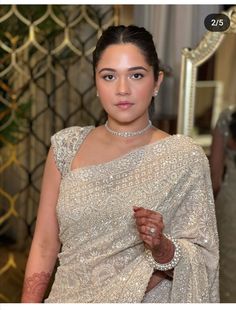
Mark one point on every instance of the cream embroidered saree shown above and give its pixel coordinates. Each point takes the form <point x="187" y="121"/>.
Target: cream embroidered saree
<point x="102" y="258"/>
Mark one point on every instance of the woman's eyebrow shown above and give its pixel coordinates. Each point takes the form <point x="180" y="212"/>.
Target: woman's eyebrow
<point x="130" y="69"/>
<point x="137" y="68"/>
<point x="106" y="69"/>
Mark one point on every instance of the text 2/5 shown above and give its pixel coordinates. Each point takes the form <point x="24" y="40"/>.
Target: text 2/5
<point x="217" y="22"/>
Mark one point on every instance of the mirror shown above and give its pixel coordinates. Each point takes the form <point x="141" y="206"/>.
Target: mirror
<point x="204" y="89"/>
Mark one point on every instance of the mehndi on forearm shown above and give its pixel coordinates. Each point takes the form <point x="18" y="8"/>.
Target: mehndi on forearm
<point x="35" y="287"/>
<point x="165" y="252"/>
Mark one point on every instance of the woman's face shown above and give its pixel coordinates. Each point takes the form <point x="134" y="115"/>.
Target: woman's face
<point x="125" y="82"/>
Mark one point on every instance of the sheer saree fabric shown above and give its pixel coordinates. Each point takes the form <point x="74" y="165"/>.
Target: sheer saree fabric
<point x="102" y="258"/>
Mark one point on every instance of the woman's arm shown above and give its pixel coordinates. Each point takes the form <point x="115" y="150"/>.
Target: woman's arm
<point x="45" y="245"/>
<point x="217" y="160"/>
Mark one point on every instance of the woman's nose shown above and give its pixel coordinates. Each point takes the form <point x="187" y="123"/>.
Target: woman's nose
<point x="123" y="86"/>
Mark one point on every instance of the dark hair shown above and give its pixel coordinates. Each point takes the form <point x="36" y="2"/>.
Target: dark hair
<point x="138" y="36"/>
<point x="232" y="125"/>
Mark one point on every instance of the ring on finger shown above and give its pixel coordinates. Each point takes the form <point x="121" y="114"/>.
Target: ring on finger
<point x="152" y="231"/>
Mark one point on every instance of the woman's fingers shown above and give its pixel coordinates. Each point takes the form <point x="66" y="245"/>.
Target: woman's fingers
<point x="149" y="218"/>
<point x="146" y="213"/>
<point x="152" y="242"/>
<point x="150" y="226"/>
<point x="149" y="222"/>
<point x="151" y="232"/>
<point x="141" y="212"/>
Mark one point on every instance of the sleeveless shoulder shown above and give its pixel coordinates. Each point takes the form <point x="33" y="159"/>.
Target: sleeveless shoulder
<point x="65" y="144"/>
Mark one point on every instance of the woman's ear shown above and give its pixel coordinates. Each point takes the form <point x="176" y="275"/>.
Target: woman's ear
<point x="160" y="79"/>
<point x="158" y="83"/>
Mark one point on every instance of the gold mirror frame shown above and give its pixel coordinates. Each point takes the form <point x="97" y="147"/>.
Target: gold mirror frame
<point x="191" y="59"/>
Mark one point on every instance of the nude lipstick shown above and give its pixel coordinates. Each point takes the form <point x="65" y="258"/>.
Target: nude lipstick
<point x="124" y="105"/>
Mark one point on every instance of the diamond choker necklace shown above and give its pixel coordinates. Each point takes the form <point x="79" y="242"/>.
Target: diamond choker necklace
<point x="128" y="133"/>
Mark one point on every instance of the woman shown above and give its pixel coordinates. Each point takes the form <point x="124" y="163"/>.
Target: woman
<point x="223" y="171"/>
<point x="131" y="205"/>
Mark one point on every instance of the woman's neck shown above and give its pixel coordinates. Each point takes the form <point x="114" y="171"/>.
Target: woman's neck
<point x="128" y="126"/>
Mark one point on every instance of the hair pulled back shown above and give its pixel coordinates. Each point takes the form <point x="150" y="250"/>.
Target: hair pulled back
<point x="138" y="36"/>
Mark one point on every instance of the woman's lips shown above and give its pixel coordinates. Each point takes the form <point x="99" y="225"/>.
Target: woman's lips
<point x="124" y="105"/>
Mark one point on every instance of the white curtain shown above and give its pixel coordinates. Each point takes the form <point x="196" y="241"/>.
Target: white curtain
<point x="173" y="27"/>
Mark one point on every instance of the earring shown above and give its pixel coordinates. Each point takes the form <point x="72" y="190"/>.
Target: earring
<point x="97" y="94"/>
<point x="155" y="93"/>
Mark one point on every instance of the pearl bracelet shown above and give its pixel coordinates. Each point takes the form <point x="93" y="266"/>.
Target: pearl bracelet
<point x="167" y="266"/>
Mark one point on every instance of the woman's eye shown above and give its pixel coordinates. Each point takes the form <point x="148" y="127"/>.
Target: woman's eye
<point x="137" y="76"/>
<point x="108" y="77"/>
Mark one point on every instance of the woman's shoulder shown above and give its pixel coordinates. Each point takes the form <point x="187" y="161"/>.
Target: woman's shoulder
<point x="185" y="142"/>
<point x="185" y="147"/>
<point x="178" y="146"/>
<point x="71" y="131"/>
<point x="65" y="144"/>
<point x="68" y="139"/>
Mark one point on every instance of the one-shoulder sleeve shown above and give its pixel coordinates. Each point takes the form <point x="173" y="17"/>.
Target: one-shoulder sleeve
<point x="65" y="144"/>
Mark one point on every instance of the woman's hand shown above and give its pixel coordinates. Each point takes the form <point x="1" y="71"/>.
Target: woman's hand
<point x="150" y="226"/>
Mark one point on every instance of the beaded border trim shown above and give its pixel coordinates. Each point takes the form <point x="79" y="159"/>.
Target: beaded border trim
<point x="167" y="266"/>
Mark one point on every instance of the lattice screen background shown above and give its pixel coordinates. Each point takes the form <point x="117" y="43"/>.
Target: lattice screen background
<point x="46" y="84"/>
